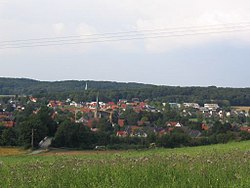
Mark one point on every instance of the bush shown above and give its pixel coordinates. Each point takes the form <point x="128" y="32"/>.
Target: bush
<point x="244" y="135"/>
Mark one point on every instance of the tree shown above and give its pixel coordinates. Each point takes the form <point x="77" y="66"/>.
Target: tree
<point x="10" y="108"/>
<point x="61" y="116"/>
<point x="115" y="116"/>
<point x="23" y="115"/>
<point x="245" y="135"/>
<point x="74" y="135"/>
<point x="25" y="129"/>
<point x="44" y="115"/>
<point x="103" y="125"/>
<point x="9" y="137"/>
<point x="79" y="115"/>
<point x="221" y="128"/>
<point x="67" y="135"/>
<point x="87" y="139"/>
<point x="131" y="117"/>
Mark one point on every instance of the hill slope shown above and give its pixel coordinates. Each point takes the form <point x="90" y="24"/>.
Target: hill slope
<point x="115" y="90"/>
<point x="29" y="86"/>
<point x="208" y="166"/>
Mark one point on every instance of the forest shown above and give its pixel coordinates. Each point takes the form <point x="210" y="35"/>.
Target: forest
<point x="113" y="91"/>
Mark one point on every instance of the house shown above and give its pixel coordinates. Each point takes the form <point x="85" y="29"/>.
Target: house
<point x="8" y="124"/>
<point x="157" y="130"/>
<point x="191" y="105"/>
<point x="123" y="106"/>
<point x="121" y="134"/>
<point x="221" y="114"/>
<point x="191" y="132"/>
<point x="135" y="100"/>
<point x="73" y="103"/>
<point x="246" y="129"/>
<point x="151" y="108"/>
<point x="113" y="107"/>
<point x="143" y="123"/>
<point x="82" y="120"/>
<point x="33" y="99"/>
<point x="122" y="101"/>
<point x="136" y="131"/>
<point x="142" y="104"/>
<point x="228" y="114"/>
<point x="111" y="103"/>
<point x="212" y="107"/>
<point x="54" y="104"/>
<point x="20" y="108"/>
<point x="204" y="110"/>
<point x="121" y="122"/>
<point x="174" y="124"/>
<point x="194" y="133"/>
<point x="170" y="129"/>
<point x="162" y="131"/>
<point x="204" y="127"/>
<point x="68" y="100"/>
<point x="174" y="105"/>
<point x="94" y="129"/>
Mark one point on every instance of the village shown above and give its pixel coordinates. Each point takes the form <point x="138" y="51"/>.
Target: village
<point x="132" y="118"/>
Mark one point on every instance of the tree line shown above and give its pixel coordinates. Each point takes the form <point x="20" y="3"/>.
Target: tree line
<point x="113" y="91"/>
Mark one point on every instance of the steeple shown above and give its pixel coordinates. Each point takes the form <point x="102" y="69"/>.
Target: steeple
<point x="96" y="114"/>
<point x="86" y="86"/>
<point x="97" y="101"/>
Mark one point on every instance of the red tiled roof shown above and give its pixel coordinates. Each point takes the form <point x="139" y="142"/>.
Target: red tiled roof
<point x="8" y="124"/>
<point x="247" y="129"/>
<point x="121" y="122"/>
<point x="204" y="127"/>
<point x="172" y="124"/>
<point x="121" y="133"/>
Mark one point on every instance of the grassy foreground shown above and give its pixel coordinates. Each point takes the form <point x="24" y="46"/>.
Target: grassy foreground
<point x="209" y="166"/>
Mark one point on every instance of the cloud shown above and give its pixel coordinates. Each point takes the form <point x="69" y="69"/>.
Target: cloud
<point x="167" y="14"/>
<point x="90" y="32"/>
<point x="59" y="28"/>
<point x="135" y="59"/>
<point x="172" y="42"/>
<point x="2" y="4"/>
<point x="82" y="17"/>
<point x="3" y="1"/>
<point x="85" y="29"/>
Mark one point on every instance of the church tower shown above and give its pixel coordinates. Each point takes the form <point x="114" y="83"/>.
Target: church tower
<point x="86" y="86"/>
<point x="96" y="114"/>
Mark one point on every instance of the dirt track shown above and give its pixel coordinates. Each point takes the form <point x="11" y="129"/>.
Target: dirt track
<point x="60" y="152"/>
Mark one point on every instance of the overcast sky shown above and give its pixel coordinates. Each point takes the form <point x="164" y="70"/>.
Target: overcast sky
<point x="201" y="60"/>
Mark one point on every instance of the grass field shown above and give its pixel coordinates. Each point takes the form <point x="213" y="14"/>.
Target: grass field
<point x="10" y="151"/>
<point x="209" y="166"/>
<point x="246" y="108"/>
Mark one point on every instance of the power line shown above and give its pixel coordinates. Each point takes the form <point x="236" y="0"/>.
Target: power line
<point x="239" y="24"/>
<point x="123" y="39"/>
<point x="159" y="32"/>
<point x="151" y="35"/>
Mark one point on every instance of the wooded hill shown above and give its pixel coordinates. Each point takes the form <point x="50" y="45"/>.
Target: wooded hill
<point x="112" y="91"/>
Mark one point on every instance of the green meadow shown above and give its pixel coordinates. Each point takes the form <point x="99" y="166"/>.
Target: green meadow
<point x="222" y="165"/>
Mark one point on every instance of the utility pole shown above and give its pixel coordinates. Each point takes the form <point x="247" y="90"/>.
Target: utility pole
<point x="75" y="115"/>
<point x="32" y="138"/>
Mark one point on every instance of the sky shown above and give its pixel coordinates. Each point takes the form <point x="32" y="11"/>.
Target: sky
<point x="221" y="59"/>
